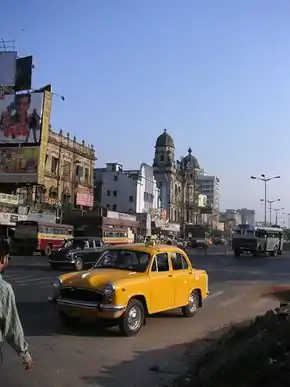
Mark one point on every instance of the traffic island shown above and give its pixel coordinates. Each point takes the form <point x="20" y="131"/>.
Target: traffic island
<point x="254" y="353"/>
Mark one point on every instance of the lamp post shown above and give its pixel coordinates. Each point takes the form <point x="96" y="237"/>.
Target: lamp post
<point x="270" y="202"/>
<point x="265" y="180"/>
<point x="276" y="216"/>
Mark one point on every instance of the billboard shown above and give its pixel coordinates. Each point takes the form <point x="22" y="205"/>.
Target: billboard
<point x="20" y="119"/>
<point x="85" y="199"/>
<point x="24" y="128"/>
<point x="7" y="68"/>
<point x="19" y="165"/>
<point x="23" y="73"/>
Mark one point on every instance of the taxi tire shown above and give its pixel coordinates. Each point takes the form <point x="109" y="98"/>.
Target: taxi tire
<point x="124" y="323"/>
<point x="186" y="311"/>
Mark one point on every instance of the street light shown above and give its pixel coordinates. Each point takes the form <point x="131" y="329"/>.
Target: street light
<point x="265" y="180"/>
<point x="270" y="206"/>
<point x="276" y="217"/>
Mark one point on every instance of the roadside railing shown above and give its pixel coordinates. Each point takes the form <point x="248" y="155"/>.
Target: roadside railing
<point x="211" y="250"/>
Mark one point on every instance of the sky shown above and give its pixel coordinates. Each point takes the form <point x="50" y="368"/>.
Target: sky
<point x="214" y="73"/>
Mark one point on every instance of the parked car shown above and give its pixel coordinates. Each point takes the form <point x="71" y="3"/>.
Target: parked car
<point x="77" y="253"/>
<point x="130" y="282"/>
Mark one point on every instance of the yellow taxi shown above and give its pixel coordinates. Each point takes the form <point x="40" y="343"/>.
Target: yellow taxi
<point x="130" y="282"/>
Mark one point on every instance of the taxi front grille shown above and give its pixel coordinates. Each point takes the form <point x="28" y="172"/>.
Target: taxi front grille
<point x="79" y="294"/>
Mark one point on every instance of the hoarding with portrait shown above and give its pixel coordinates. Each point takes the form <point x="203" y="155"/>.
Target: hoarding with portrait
<point x="22" y="131"/>
<point x="20" y="119"/>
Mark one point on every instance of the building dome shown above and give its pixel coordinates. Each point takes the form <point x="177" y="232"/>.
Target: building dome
<point x="164" y="140"/>
<point x="189" y="161"/>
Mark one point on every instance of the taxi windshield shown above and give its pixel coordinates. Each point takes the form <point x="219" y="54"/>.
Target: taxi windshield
<point x="124" y="260"/>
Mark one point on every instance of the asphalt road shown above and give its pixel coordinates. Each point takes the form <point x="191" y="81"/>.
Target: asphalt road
<point x="94" y="357"/>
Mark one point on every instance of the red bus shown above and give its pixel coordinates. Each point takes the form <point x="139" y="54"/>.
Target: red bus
<point x="31" y="236"/>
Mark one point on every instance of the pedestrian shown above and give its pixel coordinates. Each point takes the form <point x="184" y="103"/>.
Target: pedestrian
<point x="10" y="325"/>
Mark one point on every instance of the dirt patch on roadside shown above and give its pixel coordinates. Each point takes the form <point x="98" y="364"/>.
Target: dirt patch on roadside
<point x="250" y="354"/>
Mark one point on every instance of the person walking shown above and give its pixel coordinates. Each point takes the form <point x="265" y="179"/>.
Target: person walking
<point x="10" y="325"/>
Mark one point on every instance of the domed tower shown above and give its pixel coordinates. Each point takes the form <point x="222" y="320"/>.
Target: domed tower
<point x="164" y="152"/>
<point x="164" y="171"/>
<point x="188" y="171"/>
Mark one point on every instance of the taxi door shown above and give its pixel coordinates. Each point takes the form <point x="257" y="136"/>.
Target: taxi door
<point x="182" y="278"/>
<point x="161" y="284"/>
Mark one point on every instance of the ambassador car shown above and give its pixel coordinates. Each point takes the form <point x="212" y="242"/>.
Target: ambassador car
<point x="77" y="253"/>
<point x="130" y="282"/>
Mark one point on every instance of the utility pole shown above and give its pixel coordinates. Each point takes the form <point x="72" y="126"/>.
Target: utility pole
<point x="265" y="180"/>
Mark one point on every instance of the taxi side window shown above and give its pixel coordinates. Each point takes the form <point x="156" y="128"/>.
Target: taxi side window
<point x="162" y="262"/>
<point x="91" y="244"/>
<point x="178" y="262"/>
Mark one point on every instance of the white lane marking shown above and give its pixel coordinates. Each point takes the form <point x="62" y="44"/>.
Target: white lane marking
<point x="214" y="295"/>
<point x="232" y="301"/>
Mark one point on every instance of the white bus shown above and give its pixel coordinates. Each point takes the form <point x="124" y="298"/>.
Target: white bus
<point x="257" y="240"/>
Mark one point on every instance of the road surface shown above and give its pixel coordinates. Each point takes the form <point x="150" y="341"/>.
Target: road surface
<point x="92" y="357"/>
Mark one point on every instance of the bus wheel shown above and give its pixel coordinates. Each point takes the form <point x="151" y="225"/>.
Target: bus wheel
<point x="237" y="253"/>
<point x="48" y="250"/>
<point x="274" y="253"/>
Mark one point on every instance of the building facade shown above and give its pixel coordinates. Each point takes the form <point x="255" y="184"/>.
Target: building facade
<point x="210" y="186"/>
<point x="127" y="191"/>
<point x="68" y="176"/>
<point x="177" y="181"/>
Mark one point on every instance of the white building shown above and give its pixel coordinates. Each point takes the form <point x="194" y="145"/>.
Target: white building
<point x="129" y="191"/>
<point x="210" y="186"/>
<point x="247" y="216"/>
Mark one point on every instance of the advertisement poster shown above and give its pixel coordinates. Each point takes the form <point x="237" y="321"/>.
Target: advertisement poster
<point x="19" y="165"/>
<point x="20" y="119"/>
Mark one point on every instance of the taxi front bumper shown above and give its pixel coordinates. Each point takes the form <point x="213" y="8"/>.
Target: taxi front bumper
<point x="101" y="310"/>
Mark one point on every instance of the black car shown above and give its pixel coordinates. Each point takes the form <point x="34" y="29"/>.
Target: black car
<point x="77" y="253"/>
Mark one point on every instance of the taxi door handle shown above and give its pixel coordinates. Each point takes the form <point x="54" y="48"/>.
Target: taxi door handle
<point x="169" y="275"/>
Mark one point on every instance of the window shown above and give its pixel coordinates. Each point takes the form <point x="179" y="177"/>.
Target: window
<point x="162" y="158"/>
<point x="66" y="169"/>
<point x="86" y="175"/>
<point x="91" y="244"/>
<point x="108" y="206"/>
<point x="162" y="262"/>
<point x="114" y="207"/>
<point x="79" y="171"/>
<point x="54" y="165"/>
<point x="108" y="193"/>
<point x="98" y="243"/>
<point x="178" y="262"/>
<point x="115" y="193"/>
<point x="115" y="178"/>
<point x="131" y="199"/>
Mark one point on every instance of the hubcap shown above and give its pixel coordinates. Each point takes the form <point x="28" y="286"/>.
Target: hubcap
<point x="192" y="305"/>
<point x="134" y="318"/>
<point x="79" y="264"/>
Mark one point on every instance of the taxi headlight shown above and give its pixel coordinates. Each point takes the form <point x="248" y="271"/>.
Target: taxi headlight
<point x="109" y="291"/>
<point x="56" y="286"/>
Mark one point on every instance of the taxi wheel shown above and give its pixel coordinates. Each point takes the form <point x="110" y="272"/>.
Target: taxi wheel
<point x="193" y="304"/>
<point x="132" y="320"/>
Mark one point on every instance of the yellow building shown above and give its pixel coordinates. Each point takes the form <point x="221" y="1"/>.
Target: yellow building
<point x="68" y="172"/>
